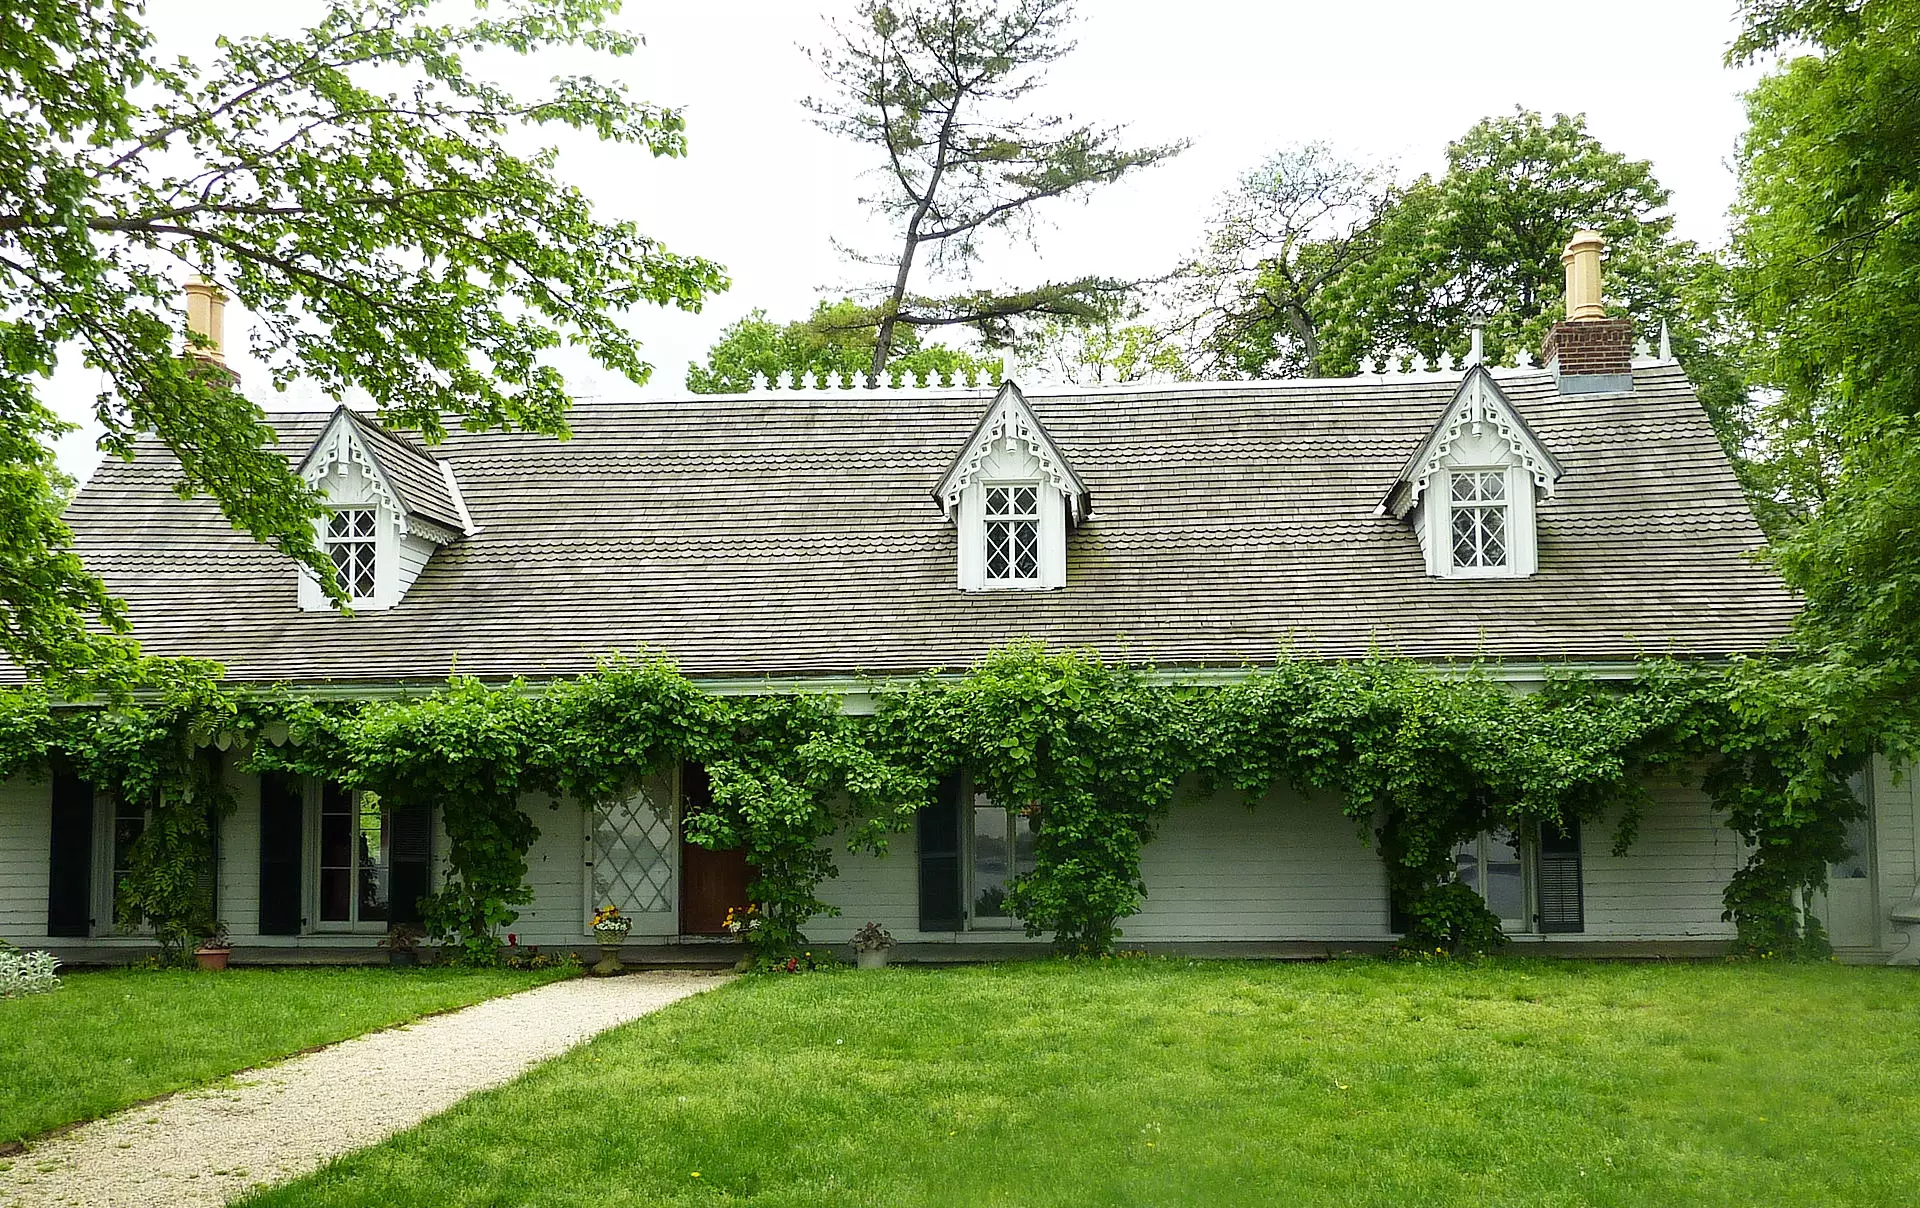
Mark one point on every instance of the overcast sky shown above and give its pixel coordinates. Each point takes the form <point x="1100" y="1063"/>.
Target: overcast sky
<point x="764" y="193"/>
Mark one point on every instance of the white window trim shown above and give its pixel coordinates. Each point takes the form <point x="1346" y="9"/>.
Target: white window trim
<point x="106" y="922"/>
<point x="1522" y="531"/>
<point x="974" y="799"/>
<point x="310" y="870"/>
<point x="973" y="538"/>
<point x="1529" y="847"/>
<point x="589" y="894"/>
<point x="987" y="521"/>
<point x="373" y="542"/>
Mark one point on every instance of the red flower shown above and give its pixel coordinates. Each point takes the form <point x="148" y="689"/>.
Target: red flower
<point x="513" y="941"/>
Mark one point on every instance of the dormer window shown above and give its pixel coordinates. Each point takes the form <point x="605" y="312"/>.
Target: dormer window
<point x="1470" y="490"/>
<point x="1478" y="501"/>
<point x="1013" y="533"/>
<point x="390" y="506"/>
<point x="1012" y="496"/>
<point x="351" y="543"/>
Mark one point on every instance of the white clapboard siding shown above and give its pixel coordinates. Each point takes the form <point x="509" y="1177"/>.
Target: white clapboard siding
<point x="554" y="869"/>
<point x="26" y="822"/>
<point x="1290" y="868"/>
<point x="883" y="889"/>
<point x="1669" y="884"/>
<point x="1896" y="807"/>
<point x="239" y="902"/>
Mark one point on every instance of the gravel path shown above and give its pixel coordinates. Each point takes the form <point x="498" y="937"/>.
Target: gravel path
<point x="207" y="1146"/>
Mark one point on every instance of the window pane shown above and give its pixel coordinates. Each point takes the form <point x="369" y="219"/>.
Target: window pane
<point x="999" y="549"/>
<point x="1506" y="891"/>
<point x="989" y="862"/>
<point x="1026" y="549"/>
<point x="1026" y="500"/>
<point x="373" y="895"/>
<point x="336" y="895"/>
<point x="1466" y="863"/>
<point x="1026" y="827"/>
<point x="999" y="501"/>
<point x="336" y="841"/>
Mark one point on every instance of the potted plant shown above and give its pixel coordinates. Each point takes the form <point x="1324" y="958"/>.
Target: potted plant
<point x="212" y="951"/>
<point x="870" y="945"/>
<point x="610" y="929"/>
<point x="402" y="943"/>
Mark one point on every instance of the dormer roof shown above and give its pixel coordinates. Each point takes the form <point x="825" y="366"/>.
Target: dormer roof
<point x="417" y="485"/>
<point x="1010" y="416"/>
<point x="1477" y="407"/>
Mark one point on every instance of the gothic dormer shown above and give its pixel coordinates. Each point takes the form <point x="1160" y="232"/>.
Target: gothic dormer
<point x="391" y="505"/>
<point x="1471" y="487"/>
<point x="1012" y="496"/>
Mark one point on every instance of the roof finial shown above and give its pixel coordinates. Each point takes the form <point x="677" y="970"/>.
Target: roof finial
<point x="1478" y="353"/>
<point x="1666" y="342"/>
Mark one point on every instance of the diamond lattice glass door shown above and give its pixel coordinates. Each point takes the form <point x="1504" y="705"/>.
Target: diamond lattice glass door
<point x="630" y="856"/>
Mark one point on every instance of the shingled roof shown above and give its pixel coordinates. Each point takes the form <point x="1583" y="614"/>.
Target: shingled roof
<point x="793" y="534"/>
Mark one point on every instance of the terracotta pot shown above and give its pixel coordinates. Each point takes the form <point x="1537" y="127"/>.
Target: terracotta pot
<point x="212" y="958"/>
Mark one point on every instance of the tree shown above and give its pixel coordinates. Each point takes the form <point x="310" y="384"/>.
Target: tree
<point x="1480" y="245"/>
<point x="1253" y="302"/>
<point x="940" y="87"/>
<point x="835" y="343"/>
<point x="1122" y="348"/>
<point x="1827" y="245"/>
<point x="384" y="240"/>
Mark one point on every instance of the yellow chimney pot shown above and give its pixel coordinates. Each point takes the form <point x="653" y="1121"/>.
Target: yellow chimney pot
<point x="1582" y="260"/>
<point x="207" y="318"/>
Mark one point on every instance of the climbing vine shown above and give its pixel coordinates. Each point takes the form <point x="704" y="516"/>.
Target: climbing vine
<point x="1419" y="757"/>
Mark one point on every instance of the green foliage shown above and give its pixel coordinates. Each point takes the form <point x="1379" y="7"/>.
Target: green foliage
<point x="1828" y="247"/>
<point x="401" y="242"/>
<point x="1420" y="758"/>
<point x="1090" y="749"/>
<point x="160" y="748"/>
<point x="940" y="90"/>
<point x="833" y="346"/>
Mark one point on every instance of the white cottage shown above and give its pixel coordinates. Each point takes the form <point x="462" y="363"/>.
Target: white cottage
<point x="1577" y="514"/>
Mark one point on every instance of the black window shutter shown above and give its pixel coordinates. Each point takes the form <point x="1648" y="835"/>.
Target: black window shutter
<point x="282" y="830"/>
<point x="938" y="831"/>
<point x="1559" y="880"/>
<point x="70" y="856"/>
<point x="412" y="861"/>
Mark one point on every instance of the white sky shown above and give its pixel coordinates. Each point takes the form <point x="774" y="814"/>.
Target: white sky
<point x="763" y="191"/>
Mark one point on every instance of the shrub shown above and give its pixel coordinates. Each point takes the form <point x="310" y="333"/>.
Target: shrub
<point x="27" y="972"/>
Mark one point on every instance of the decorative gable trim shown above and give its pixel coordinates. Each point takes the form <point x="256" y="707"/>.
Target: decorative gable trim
<point x="343" y="443"/>
<point x="1478" y="406"/>
<point x="1010" y="418"/>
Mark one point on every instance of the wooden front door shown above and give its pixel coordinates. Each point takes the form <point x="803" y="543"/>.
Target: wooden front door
<point x="711" y="882"/>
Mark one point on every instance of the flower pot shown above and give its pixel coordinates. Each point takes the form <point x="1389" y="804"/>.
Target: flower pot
<point x="871" y="958"/>
<point x="402" y="956"/>
<point x="609" y="963"/>
<point x="212" y="958"/>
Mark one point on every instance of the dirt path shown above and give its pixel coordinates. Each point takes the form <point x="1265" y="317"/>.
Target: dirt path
<point x="268" y="1125"/>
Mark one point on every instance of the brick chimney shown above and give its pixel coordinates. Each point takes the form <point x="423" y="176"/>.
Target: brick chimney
<point x="1588" y="353"/>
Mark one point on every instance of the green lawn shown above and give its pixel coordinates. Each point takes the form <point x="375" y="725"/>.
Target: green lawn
<point x="1150" y="1082"/>
<point x="105" y="1040"/>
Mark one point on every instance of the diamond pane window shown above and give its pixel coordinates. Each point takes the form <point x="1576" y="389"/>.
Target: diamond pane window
<point x="1013" y="534"/>
<point x="1479" y="503"/>
<point x="630" y="854"/>
<point x="350" y="541"/>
